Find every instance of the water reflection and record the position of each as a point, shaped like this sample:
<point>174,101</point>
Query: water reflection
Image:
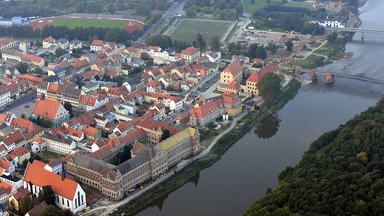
<point>269,127</point>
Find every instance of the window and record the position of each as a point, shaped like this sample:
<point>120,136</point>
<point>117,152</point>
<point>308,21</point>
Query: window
<point>62,200</point>
<point>67,203</point>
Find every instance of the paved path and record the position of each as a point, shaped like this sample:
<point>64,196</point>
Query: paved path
<point>108,209</point>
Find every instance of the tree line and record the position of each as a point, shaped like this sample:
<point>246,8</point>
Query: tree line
<point>108,34</point>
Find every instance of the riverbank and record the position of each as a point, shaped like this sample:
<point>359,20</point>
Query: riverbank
<point>243,126</point>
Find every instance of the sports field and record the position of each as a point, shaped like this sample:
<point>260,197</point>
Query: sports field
<point>187,29</point>
<point>250,8</point>
<point>86,23</point>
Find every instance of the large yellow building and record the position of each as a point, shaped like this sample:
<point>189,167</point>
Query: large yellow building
<point>233,72</point>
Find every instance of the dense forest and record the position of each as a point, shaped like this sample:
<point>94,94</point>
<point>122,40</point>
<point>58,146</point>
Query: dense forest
<point>55,7</point>
<point>341,174</point>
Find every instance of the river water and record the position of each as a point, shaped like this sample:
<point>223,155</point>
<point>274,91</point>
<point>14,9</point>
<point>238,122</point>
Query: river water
<point>253,164</point>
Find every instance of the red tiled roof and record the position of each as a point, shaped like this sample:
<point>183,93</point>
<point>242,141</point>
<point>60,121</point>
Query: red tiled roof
<point>5,41</point>
<point>234,68</point>
<point>90,131</point>
<point>88,100</point>
<point>189,51</point>
<point>256,76</point>
<point>155,125</point>
<point>97,43</point>
<point>37,175</point>
<point>207,107</point>
<point>46,109</point>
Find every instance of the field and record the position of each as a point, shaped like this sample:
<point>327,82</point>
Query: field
<point>250,8</point>
<point>85,23</point>
<point>187,29</point>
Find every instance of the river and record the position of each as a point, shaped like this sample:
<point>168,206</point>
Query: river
<point>253,164</point>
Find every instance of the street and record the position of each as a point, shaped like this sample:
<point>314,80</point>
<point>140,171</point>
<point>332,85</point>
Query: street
<point>22,105</point>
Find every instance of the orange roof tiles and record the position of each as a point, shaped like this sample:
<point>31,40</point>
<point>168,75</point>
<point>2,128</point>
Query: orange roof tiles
<point>208,107</point>
<point>90,131</point>
<point>97,43</point>
<point>234,68</point>
<point>46,108</point>
<point>189,51</point>
<point>37,175</point>
<point>256,76</point>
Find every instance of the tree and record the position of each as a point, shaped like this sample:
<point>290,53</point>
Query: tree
<point>52,210</point>
<point>25,205</point>
<point>201,42</point>
<point>269,87</point>
<point>59,52</point>
<point>252,51</point>
<point>332,37</point>
<point>47,195</point>
<point>22,67</point>
<point>38,71</point>
<point>215,43</point>
<point>165,135</point>
<point>261,53</point>
<point>289,45</point>
<point>111,8</point>
<point>69,108</point>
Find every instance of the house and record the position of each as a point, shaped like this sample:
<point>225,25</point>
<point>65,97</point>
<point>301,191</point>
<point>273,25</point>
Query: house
<point>75,44</point>
<point>207,112</point>
<point>232,72</point>
<point>6,167</point>
<point>190,54</point>
<point>92,101</point>
<point>6,190</point>
<point>254,78</point>
<point>38,209</point>
<point>38,145</point>
<point>63,43</point>
<point>14,200</point>
<point>213,57</point>
<point>96,45</point>
<point>68,193</point>
<point>59,144</point>
<point>7,43</point>
<point>5,96</point>
<point>153,86</point>
<point>48,42</point>
<point>50,110</point>
<point>232,104</point>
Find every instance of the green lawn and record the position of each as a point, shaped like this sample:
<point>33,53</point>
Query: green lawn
<point>333,52</point>
<point>74,23</point>
<point>299,4</point>
<point>312,61</point>
<point>188,29</point>
<point>250,8</point>
<point>48,155</point>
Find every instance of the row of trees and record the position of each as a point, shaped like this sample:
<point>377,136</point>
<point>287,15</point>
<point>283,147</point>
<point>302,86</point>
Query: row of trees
<point>253,51</point>
<point>286,21</point>
<point>341,173</point>
<point>165,42</point>
<point>109,34</point>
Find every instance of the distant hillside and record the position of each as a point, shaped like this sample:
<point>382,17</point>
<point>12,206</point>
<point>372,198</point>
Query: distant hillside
<point>341,174</point>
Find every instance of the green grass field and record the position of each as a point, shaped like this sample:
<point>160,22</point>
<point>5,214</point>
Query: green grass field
<point>250,8</point>
<point>188,29</point>
<point>75,23</point>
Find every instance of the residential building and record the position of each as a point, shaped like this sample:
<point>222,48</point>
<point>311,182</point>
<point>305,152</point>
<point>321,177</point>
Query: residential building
<point>7,43</point>
<point>48,42</point>
<point>255,76</point>
<point>207,112</point>
<point>190,54</point>
<point>59,144</point>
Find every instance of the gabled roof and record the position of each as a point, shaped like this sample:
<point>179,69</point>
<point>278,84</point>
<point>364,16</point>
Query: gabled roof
<point>189,51</point>
<point>46,109</point>
<point>234,68</point>
<point>203,110</point>
<point>37,175</point>
<point>97,43</point>
<point>256,76</point>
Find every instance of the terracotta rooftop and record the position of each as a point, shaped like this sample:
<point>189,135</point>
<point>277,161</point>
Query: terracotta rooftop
<point>46,109</point>
<point>234,68</point>
<point>37,175</point>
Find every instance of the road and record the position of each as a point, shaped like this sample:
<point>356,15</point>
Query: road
<point>156,29</point>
